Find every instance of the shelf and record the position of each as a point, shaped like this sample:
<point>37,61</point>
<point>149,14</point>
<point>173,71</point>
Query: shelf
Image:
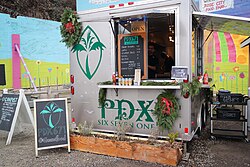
<point>138,87</point>
<point>231,104</point>
<point>228,133</point>
<point>242,119</point>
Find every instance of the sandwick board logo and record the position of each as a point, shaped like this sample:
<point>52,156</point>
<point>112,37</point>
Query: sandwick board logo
<point>89,44</point>
<point>51,124</point>
<point>51,114</point>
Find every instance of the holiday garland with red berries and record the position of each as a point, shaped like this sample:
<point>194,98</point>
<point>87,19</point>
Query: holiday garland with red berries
<point>166,109</point>
<point>70,28</point>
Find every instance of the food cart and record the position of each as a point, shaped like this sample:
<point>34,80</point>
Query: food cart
<point>115,39</point>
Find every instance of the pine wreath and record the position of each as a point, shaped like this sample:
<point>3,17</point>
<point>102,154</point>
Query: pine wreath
<point>70,28</point>
<point>166,109</point>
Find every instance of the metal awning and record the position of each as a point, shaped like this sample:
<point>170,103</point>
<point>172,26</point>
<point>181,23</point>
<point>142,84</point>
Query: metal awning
<point>245,42</point>
<point>223,23</point>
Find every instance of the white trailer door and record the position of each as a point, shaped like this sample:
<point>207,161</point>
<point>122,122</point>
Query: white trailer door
<point>223,23</point>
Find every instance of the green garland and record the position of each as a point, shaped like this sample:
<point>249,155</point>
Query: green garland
<point>103,92</point>
<point>193,88</point>
<point>166,109</point>
<point>70,28</point>
<point>152,83</point>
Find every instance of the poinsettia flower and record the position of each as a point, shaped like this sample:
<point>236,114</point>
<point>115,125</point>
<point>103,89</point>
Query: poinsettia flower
<point>69,27</point>
<point>167,105</point>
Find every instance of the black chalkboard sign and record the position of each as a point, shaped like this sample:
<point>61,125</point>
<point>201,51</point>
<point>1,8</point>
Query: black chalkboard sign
<point>179,72</point>
<point>230,98</point>
<point>8,104</point>
<point>51,126</point>
<point>131,54</point>
<point>2,74</point>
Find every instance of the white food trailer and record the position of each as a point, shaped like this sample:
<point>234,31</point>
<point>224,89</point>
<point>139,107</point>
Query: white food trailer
<point>115,38</point>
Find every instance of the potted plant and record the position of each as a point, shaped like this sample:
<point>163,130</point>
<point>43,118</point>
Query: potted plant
<point>135,148</point>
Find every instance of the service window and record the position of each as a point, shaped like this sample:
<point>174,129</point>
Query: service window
<point>146,42</point>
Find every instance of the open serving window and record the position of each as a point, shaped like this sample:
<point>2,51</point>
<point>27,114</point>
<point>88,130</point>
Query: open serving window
<point>136,35</point>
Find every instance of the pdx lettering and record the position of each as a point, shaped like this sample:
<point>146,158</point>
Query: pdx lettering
<point>126,111</point>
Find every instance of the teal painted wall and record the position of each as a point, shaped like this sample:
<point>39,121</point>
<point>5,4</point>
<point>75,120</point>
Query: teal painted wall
<point>39,40</point>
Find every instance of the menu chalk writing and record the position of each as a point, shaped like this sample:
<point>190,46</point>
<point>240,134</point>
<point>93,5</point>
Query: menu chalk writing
<point>8,105</point>
<point>131,54</point>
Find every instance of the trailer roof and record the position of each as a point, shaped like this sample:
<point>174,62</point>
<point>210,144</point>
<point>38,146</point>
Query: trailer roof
<point>223,23</point>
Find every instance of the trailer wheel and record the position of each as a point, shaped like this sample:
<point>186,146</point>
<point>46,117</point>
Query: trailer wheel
<point>203,116</point>
<point>201,120</point>
<point>207,111</point>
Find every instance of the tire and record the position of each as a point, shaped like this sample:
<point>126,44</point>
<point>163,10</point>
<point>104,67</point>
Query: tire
<point>202,120</point>
<point>203,116</point>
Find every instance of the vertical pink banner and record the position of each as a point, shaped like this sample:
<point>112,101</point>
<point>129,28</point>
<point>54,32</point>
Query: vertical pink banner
<point>217,47</point>
<point>16,67</point>
<point>231,47</point>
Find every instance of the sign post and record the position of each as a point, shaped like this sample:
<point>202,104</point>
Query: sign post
<point>10,106</point>
<point>51,124</point>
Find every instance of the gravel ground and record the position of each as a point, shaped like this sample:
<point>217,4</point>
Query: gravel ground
<point>203,152</point>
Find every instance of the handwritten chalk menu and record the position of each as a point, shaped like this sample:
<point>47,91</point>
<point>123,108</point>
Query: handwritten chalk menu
<point>51,123</point>
<point>179,72</point>
<point>131,54</point>
<point>8,106</point>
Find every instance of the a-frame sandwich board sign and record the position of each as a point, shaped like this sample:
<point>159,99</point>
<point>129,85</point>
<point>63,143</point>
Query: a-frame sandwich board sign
<point>51,124</point>
<point>11,107</point>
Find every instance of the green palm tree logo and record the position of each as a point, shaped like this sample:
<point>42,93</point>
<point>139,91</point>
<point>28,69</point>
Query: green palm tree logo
<point>51,111</point>
<point>89,44</point>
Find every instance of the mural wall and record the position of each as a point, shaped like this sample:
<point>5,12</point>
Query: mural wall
<point>230,61</point>
<point>45,56</point>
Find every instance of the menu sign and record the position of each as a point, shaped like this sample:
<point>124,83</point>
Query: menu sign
<point>8,104</point>
<point>179,72</point>
<point>131,54</point>
<point>51,124</point>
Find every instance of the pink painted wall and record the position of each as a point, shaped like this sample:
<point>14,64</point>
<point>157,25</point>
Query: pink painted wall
<point>16,67</point>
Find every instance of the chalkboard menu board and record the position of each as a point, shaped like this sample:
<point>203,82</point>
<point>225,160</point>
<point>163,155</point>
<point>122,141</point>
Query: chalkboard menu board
<point>179,72</point>
<point>8,104</point>
<point>131,54</point>
<point>51,126</point>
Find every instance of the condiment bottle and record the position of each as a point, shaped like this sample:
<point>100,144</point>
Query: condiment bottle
<point>205,78</point>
